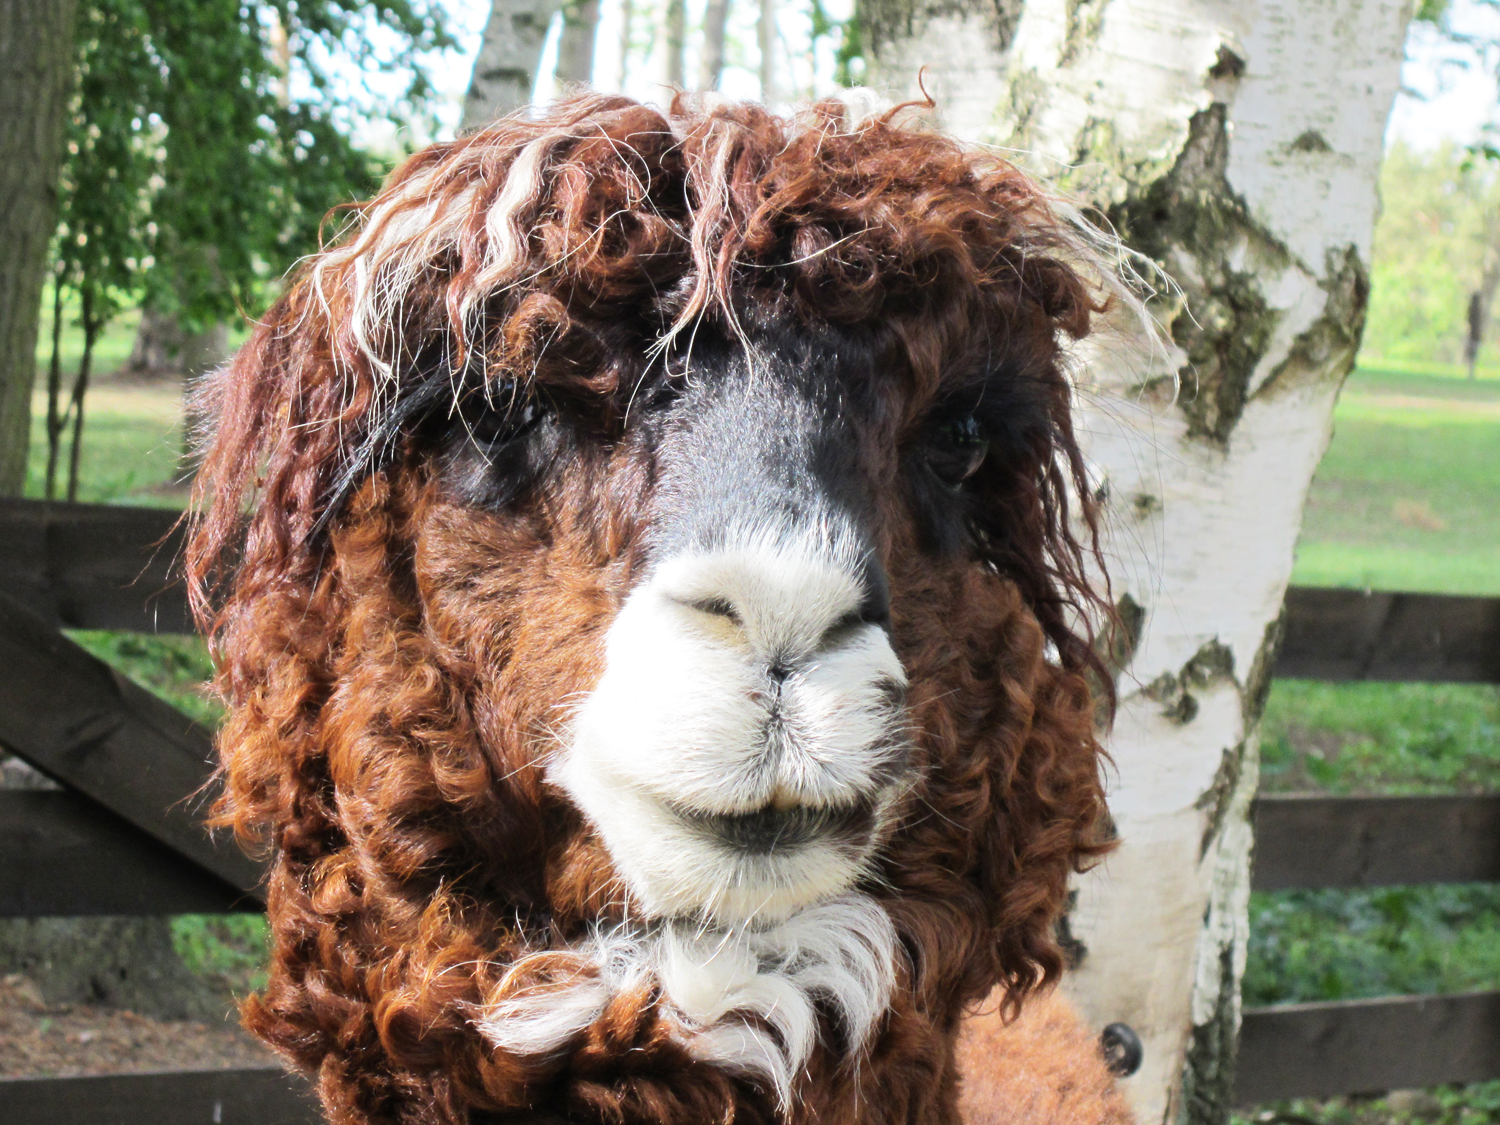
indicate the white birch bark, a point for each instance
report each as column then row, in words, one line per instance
column 765, row 35
column 1236, row 142
column 575, row 52
column 711, row 61
column 505, row 70
column 674, row 56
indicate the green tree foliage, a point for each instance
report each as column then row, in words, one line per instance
column 848, row 36
column 208, row 141
column 1438, row 226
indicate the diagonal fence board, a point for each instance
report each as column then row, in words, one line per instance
column 63, row 854
column 1367, row 1046
column 88, row 727
column 241, row 1096
column 1341, row 635
column 94, row 566
column 1315, row 842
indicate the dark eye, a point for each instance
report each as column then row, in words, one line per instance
column 493, row 424
column 956, row 450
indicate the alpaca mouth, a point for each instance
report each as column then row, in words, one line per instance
column 769, row 829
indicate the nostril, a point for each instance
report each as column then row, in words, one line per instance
column 778, row 671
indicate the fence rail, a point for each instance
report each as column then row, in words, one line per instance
column 94, row 566
column 86, row 726
column 241, row 1096
column 1307, row 842
column 123, row 836
column 1367, row 1046
column 63, row 854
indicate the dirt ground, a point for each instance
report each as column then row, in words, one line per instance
column 38, row 1040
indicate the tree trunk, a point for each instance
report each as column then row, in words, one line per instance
column 509, row 55
column 575, row 53
column 711, row 63
column 1482, row 300
column 627, row 27
column 36, row 58
column 674, row 66
column 1238, row 145
column 765, row 34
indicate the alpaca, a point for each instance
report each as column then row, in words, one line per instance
column 646, row 561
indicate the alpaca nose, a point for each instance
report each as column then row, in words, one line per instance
column 788, row 603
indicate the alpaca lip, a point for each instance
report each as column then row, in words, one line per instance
column 770, row 829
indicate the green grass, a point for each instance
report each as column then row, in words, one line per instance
column 1392, row 941
column 1380, row 738
column 174, row 668
column 132, row 447
column 1365, row 739
column 1477, row 1104
column 1408, row 495
column 229, row 947
column 1426, row 369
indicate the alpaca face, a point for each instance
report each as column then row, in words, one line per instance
column 652, row 619
column 743, row 751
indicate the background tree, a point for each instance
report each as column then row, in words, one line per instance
column 1485, row 51
column 1237, row 146
column 36, row 55
column 711, row 57
column 674, row 67
column 505, row 71
column 575, row 51
column 1436, row 247
column 765, row 37
column 206, row 142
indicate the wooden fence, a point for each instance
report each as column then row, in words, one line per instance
column 123, row 835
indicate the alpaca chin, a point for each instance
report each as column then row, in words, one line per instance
column 742, row 754
column 745, row 1000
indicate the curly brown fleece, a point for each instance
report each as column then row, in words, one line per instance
column 393, row 655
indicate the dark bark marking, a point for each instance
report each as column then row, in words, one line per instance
column 1310, row 141
column 1332, row 341
column 1227, row 324
column 1085, row 19
column 1258, row 680
column 1074, row 951
column 36, row 57
column 1210, row 664
column 1216, row 799
column 1227, row 65
column 887, row 21
column 1208, row 1070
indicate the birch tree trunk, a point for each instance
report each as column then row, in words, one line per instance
column 575, row 52
column 674, row 63
column 36, row 58
column 1237, row 143
column 505, row 70
column 711, row 62
column 765, row 33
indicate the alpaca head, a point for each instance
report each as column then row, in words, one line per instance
column 652, row 619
